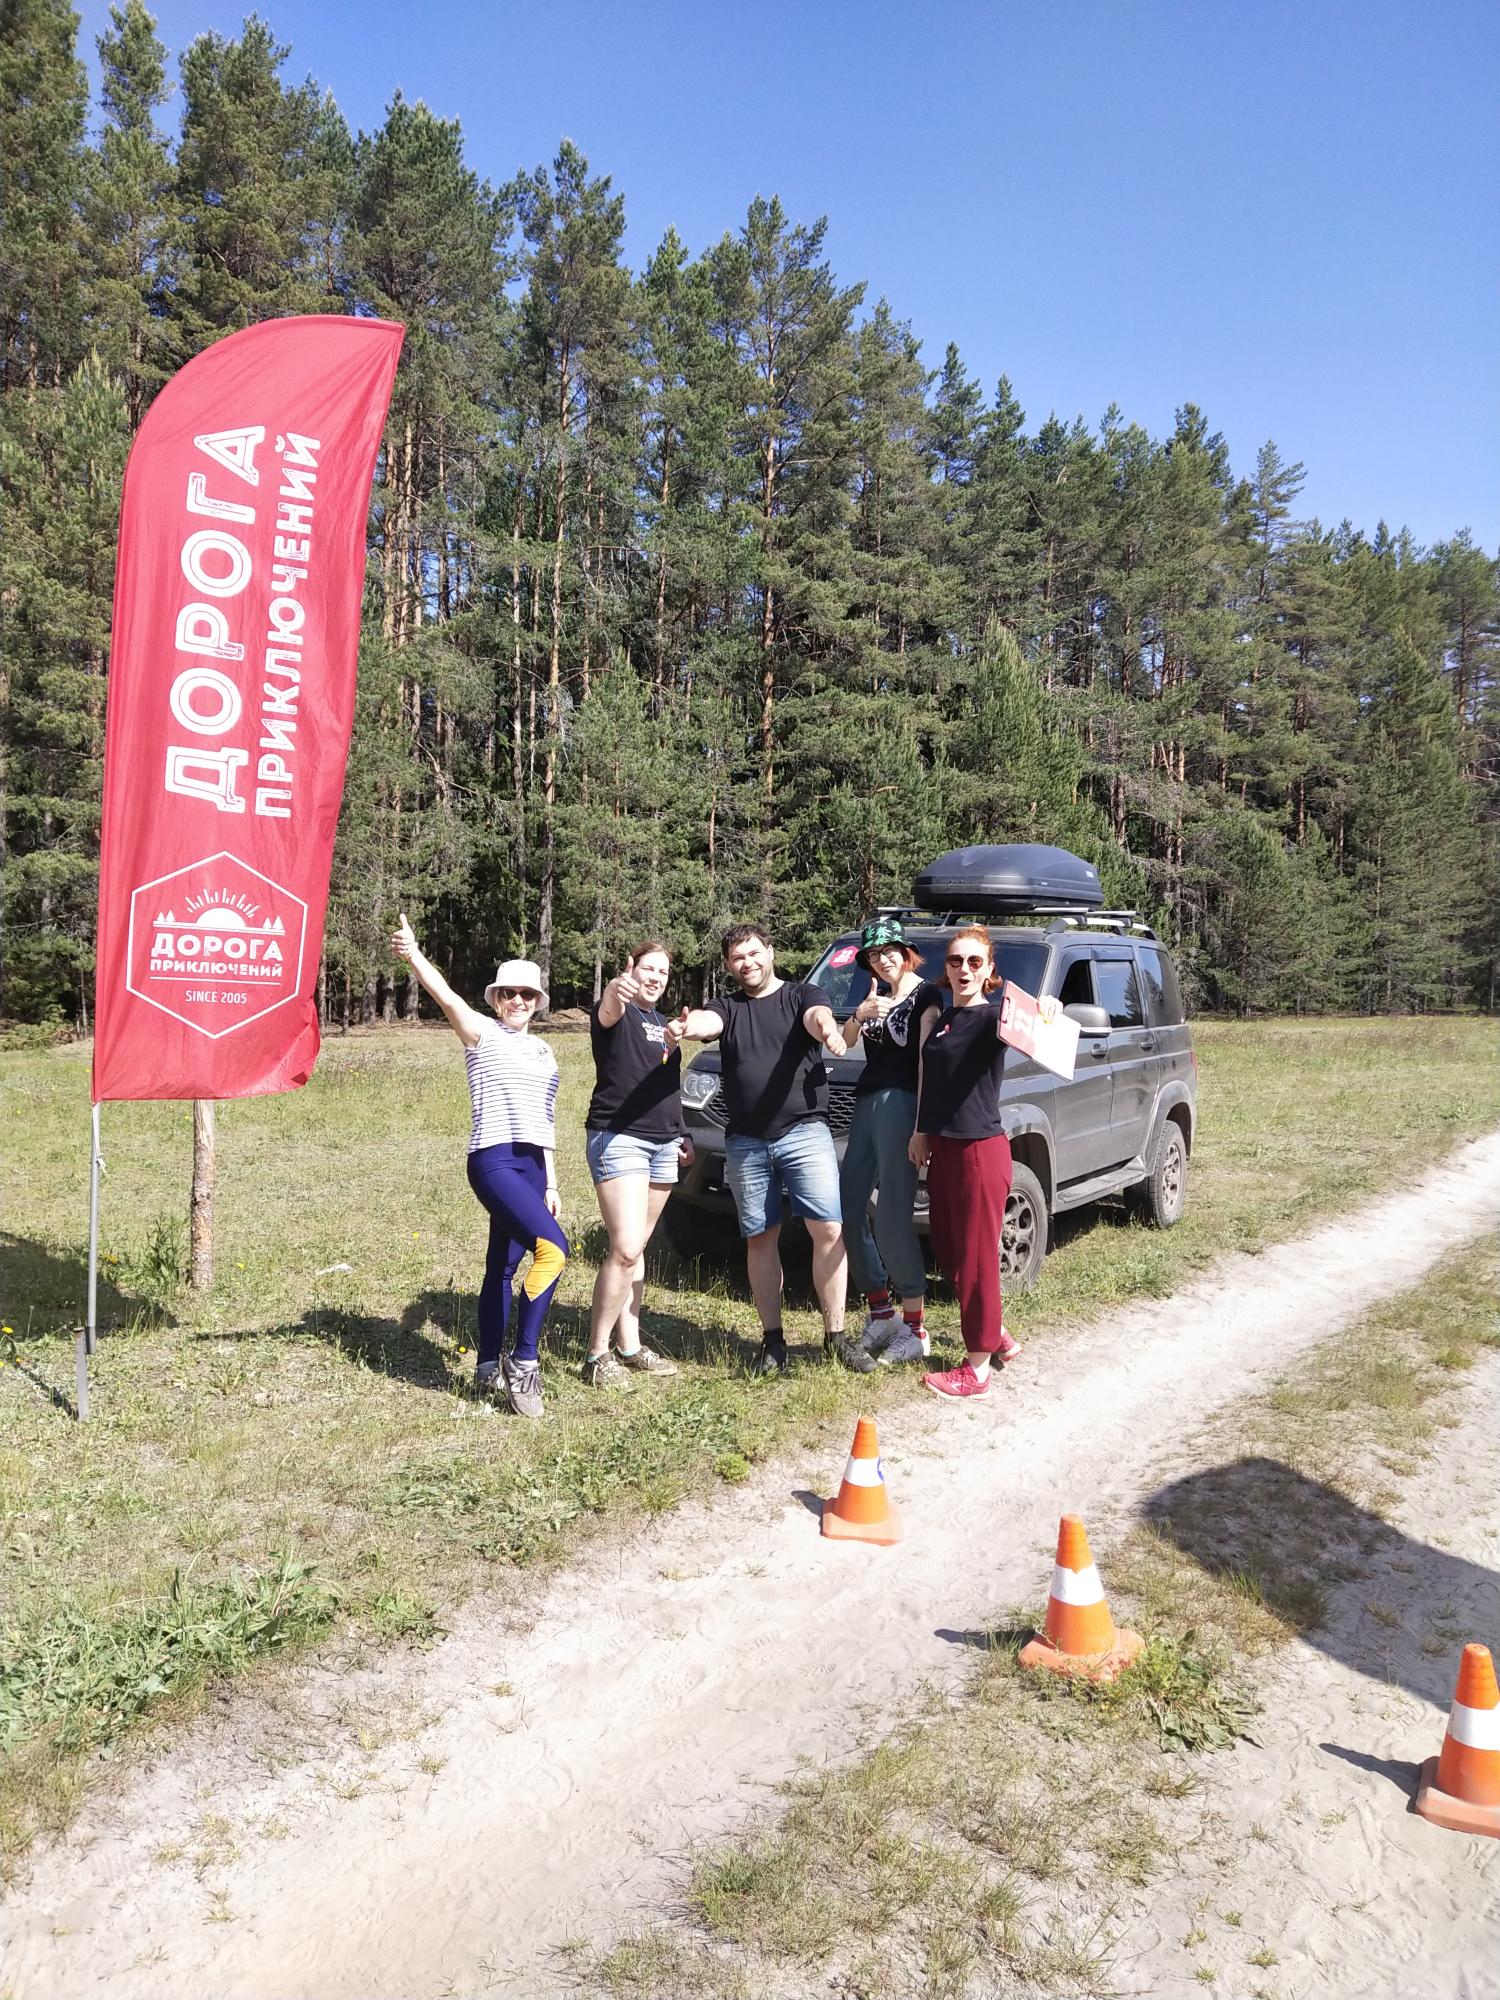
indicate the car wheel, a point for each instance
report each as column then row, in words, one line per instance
column 1023, row 1243
column 1161, row 1196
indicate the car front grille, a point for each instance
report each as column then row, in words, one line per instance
column 840, row 1108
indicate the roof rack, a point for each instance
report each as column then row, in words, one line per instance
column 1065, row 916
column 1123, row 922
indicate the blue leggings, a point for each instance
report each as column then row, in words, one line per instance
column 511, row 1182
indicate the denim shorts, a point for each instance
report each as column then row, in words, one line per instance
column 615, row 1155
column 802, row 1162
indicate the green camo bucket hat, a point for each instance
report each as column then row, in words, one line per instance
column 877, row 933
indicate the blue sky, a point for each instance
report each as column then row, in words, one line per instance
column 1283, row 212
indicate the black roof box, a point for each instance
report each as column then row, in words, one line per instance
column 1008, row 881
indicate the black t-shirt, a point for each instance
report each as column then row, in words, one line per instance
column 961, row 1067
column 892, row 1045
column 773, row 1068
column 634, row 1090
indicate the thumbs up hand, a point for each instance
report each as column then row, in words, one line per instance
column 676, row 1029
column 403, row 939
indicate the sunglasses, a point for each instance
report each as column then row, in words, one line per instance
column 975, row 964
column 516, row 993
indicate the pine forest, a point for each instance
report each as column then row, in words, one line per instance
column 708, row 590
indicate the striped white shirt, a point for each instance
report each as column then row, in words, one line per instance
column 513, row 1089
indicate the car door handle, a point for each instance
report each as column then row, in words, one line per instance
column 1099, row 1050
column 1148, row 1043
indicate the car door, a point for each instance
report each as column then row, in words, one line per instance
column 1134, row 1062
column 1081, row 1109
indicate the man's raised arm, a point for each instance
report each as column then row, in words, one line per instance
column 694, row 1024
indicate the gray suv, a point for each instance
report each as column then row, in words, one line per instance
column 1123, row 1125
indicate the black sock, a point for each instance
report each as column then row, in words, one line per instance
column 773, row 1337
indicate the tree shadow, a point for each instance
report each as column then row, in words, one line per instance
column 44, row 1290
column 1270, row 1531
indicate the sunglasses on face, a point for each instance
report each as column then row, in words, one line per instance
column 517, row 993
column 957, row 960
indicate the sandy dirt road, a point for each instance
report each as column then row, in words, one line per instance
column 578, row 1748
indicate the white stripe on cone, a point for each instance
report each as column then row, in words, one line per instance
column 864, row 1472
column 1475, row 1728
column 1077, row 1586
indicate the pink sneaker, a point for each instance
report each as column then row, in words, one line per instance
column 1008, row 1348
column 957, row 1382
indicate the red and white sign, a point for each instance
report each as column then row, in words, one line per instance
column 231, row 697
column 216, row 945
column 1053, row 1043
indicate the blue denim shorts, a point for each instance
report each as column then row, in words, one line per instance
column 615, row 1155
column 801, row 1162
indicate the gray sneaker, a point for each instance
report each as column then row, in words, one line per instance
column 850, row 1353
column 879, row 1331
column 908, row 1346
column 602, row 1371
column 646, row 1361
column 523, row 1386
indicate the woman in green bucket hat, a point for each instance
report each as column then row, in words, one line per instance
column 893, row 1021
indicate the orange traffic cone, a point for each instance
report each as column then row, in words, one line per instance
column 1460, row 1787
column 863, row 1510
column 1079, row 1636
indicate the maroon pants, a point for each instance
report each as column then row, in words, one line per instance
column 968, row 1181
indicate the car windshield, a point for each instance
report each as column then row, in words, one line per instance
column 846, row 984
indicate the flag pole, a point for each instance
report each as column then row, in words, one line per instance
column 88, row 1340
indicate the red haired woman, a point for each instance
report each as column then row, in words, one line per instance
column 960, row 1140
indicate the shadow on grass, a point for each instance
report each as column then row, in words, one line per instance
column 1271, row 1532
column 45, row 1291
column 416, row 1345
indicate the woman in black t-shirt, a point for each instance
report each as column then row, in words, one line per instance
column 962, row 1143
column 635, row 1140
column 887, row 1258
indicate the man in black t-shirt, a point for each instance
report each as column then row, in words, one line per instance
column 771, row 1037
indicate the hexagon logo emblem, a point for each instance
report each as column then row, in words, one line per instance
column 216, row 945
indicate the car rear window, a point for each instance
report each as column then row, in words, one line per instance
column 1163, row 994
column 846, row 984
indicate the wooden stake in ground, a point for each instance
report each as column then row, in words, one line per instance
column 201, row 1224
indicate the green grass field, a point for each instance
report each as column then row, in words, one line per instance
column 295, row 1455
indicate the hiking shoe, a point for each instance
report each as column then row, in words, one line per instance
column 523, row 1386
column 772, row 1359
column 487, row 1379
column 850, row 1353
column 602, row 1371
column 646, row 1361
column 909, row 1346
column 957, row 1383
column 1008, row 1348
column 879, row 1330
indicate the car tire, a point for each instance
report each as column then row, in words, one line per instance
column 1160, row 1198
column 698, row 1232
column 1023, row 1246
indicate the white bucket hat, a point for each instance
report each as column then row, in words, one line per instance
column 517, row 972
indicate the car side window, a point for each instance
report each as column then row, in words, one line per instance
column 1163, row 994
column 1077, row 989
column 1119, row 992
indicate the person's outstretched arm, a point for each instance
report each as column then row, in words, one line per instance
column 694, row 1024
column 465, row 1021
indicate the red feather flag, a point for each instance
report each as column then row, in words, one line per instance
column 231, row 699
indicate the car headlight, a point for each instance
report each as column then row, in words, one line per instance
column 699, row 1085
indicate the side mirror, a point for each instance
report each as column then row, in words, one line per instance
column 1091, row 1020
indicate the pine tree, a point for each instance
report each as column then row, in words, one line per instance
column 127, row 210
column 262, row 171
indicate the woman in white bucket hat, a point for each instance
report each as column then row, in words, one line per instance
column 513, row 1092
